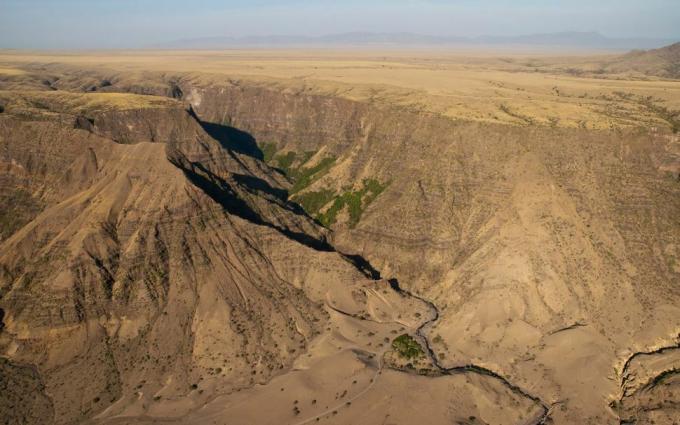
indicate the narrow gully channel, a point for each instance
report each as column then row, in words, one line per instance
column 469, row 368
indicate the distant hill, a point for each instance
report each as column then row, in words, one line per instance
column 350, row 38
column 578, row 39
column 662, row 62
column 593, row 40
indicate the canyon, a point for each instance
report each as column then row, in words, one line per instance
column 258, row 237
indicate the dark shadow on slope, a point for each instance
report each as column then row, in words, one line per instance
column 222, row 193
column 256, row 184
column 279, row 196
column 234, row 139
column 394, row 284
column 362, row 265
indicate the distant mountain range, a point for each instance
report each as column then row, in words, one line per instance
column 593, row 40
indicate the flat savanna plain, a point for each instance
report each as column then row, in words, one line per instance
column 529, row 88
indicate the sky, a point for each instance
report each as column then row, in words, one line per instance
column 143, row 23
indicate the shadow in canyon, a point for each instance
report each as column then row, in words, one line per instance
column 239, row 141
column 233, row 139
column 257, row 184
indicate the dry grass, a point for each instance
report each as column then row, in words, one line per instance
column 11, row 71
column 568, row 91
column 76, row 103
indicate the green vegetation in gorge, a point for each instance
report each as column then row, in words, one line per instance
column 292, row 164
column 268, row 151
column 407, row 347
column 285, row 162
column 306, row 176
column 355, row 201
column 312, row 202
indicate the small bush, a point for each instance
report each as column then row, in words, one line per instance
column 407, row 347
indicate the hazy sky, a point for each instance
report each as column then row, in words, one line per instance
column 139, row 23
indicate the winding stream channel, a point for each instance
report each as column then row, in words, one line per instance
column 421, row 335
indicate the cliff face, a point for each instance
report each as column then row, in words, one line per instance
column 449, row 179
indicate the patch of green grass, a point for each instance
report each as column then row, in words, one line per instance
column 303, row 177
column 285, row 161
column 354, row 207
column 329, row 217
column 407, row 347
column 268, row 151
column 293, row 166
column 373, row 189
column 312, row 202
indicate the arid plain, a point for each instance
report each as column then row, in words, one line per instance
column 340, row 236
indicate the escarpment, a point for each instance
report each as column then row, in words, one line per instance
column 450, row 178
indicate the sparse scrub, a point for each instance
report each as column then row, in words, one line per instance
column 670, row 116
column 506, row 109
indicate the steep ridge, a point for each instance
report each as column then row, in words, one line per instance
column 117, row 283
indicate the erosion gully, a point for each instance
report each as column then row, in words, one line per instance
column 627, row 392
column 421, row 335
